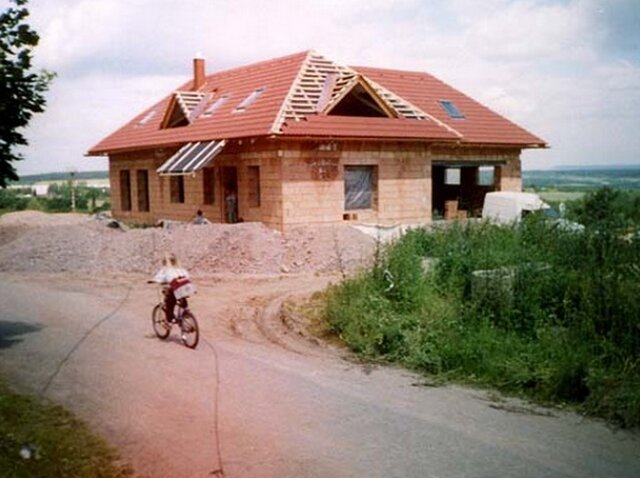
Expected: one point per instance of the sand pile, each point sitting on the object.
(39, 242)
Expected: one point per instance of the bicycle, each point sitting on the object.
(183, 318)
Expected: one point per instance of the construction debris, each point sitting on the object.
(32, 241)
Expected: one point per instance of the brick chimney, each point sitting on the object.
(198, 72)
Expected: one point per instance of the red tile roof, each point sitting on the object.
(276, 75)
(355, 127)
(479, 126)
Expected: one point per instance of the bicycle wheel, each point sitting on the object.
(160, 325)
(189, 330)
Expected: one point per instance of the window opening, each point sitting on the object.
(358, 102)
(208, 186)
(177, 189)
(359, 187)
(452, 176)
(451, 109)
(486, 175)
(125, 190)
(184, 108)
(142, 180)
(213, 107)
(249, 100)
(253, 173)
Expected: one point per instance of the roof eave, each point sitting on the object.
(333, 137)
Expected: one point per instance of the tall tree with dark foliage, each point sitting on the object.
(21, 89)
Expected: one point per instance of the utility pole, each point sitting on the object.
(72, 184)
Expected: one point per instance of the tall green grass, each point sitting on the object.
(38, 440)
(555, 315)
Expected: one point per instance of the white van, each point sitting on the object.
(505, 207)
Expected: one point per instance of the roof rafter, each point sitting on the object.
(308, 93)
(375, 96)
(191, 104)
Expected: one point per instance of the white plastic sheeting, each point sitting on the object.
(358, 187)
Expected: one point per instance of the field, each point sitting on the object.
(581, 180)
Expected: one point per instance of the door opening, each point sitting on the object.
(230, 191)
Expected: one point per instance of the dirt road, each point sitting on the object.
(285, 407)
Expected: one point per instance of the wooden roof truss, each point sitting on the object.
(306, 92)
(191, 104)
(400, 105)
(321, 84)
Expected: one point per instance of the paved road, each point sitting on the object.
(283, 412)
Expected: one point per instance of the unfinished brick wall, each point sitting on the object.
(314, 190)
(264, 156)
(304, 183)
(509, 175)
(160, 204)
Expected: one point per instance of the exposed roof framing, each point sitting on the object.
(309, 92)
(402, 106)
(375, 98)
(405, 108)
(307, 89)
(191, 104)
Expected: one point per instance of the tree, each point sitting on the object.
(21, 89)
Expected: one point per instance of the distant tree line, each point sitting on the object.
(62, 176)
(58, 199)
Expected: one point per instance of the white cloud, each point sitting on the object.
(556, 67)
(528, 32)
(81, 112)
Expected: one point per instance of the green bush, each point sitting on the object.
(13, 200)
(530, 309)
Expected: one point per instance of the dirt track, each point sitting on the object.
(286, 406)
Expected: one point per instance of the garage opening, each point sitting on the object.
(458, 189)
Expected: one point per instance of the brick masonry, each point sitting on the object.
(303, 182)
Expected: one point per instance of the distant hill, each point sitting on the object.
(585, 179)
(610, 167)
(81, 175)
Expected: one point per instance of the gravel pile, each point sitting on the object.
(31, 241)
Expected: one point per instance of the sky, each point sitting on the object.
(566, 70)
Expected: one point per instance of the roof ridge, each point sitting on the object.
(391, 70)
(258, 64)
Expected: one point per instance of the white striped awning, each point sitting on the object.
(191, 157)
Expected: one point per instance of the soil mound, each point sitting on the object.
(32, 241)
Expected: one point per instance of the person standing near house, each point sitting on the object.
(200, 219)
(232, 206)
(169, 272)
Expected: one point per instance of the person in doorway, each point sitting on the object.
(169, 272)
(232, 206)
(200, 219)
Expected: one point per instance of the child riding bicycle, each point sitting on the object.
(176, 282)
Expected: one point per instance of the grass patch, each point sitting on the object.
(38, 440)
(529, 309)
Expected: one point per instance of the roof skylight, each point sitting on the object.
(215, 105)
(451, 109)
(146, 118)
(249, 100)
